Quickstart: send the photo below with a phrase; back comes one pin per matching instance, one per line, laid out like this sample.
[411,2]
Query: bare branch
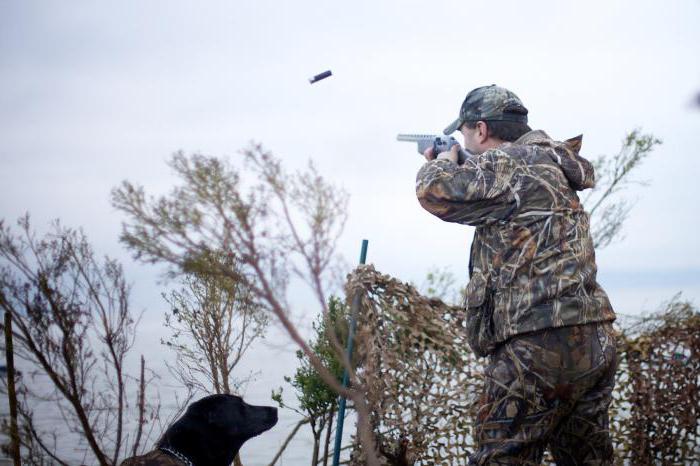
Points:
[74,326]
[287,440]
[213,321]
[613,175]
[274,226]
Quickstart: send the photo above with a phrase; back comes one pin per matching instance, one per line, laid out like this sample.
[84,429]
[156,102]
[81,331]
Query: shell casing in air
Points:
[321,76]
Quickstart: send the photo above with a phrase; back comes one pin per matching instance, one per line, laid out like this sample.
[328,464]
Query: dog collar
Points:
[177,455]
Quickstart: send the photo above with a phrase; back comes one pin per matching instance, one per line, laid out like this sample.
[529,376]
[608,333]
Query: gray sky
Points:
[92,93]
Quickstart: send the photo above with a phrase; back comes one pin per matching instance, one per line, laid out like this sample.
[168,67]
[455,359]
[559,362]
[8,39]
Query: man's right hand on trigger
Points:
[452,154]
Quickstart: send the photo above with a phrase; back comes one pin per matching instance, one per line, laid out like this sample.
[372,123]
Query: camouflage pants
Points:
[548,389]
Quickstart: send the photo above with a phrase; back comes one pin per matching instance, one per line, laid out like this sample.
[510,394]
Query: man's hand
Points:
[452,154]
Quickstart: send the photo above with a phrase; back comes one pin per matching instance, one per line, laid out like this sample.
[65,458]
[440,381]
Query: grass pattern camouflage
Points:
[532,263]
[551,388]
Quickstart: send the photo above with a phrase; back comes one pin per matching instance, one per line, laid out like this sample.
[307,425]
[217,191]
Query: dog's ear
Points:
[226,413]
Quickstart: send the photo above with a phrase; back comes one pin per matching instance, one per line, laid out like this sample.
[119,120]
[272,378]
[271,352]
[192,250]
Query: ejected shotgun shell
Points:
[321,76]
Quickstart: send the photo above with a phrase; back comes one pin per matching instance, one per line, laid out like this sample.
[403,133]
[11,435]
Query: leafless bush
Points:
[73,326]
[608,209]
[213,321]
[274,225]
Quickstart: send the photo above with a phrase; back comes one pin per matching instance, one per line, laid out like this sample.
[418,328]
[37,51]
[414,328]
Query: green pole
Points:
[346,375]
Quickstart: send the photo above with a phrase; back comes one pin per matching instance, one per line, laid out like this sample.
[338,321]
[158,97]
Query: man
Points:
[533,305]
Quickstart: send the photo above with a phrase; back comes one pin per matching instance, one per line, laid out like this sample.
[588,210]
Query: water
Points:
[270,362]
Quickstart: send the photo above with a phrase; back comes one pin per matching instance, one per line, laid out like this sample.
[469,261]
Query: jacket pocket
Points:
[478,305]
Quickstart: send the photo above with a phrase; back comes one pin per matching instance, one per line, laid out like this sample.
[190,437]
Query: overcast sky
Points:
[92,93]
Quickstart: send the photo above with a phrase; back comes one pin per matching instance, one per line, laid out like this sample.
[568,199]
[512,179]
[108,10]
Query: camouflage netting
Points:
[420,375]
[656,407]
[423,382]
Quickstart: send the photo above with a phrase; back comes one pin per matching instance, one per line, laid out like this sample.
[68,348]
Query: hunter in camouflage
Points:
[550,388]
[532,277]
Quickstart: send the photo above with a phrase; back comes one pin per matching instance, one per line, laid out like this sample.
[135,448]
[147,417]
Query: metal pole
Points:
[346,375]
[11,394]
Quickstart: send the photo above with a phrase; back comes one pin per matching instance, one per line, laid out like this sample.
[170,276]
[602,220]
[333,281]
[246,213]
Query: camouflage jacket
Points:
[532,264]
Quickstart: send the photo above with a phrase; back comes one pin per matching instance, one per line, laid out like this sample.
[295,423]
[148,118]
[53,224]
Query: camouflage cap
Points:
[489,103]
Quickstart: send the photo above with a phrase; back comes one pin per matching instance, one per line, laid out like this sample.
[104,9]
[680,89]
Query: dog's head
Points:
[213,429]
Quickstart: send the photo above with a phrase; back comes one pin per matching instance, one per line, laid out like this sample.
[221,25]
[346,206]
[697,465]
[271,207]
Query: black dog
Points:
[210,433]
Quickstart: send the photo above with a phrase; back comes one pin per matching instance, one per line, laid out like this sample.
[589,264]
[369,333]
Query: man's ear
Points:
[482,131]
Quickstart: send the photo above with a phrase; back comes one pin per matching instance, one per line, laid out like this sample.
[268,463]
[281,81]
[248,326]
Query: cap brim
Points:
[454,126]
